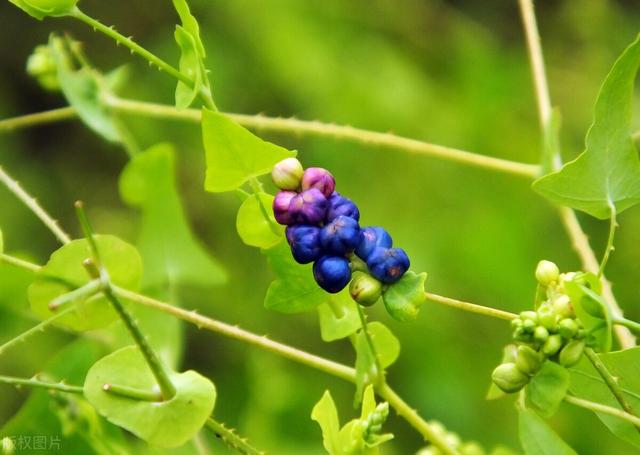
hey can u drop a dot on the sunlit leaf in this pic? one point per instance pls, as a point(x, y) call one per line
point(338, 317)
point(547, 388)
point(537, 437)
point(255, 222)
point(404, 298)
point(387, 348)
point(326, 414)
point(189, 66)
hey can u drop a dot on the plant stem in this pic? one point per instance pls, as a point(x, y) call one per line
point(379, 376)
point(603, 409)
point(39, 118)
point(33, 205)
point(470, 307)
point(132, 392)
point(17, 262)
point(612, 232)
point(33, 330)
point(257, 188)
point(609, 380)
point(83, 292)
point(205, 95)
point(41, 384)
point(632, 325)
point(231, 439)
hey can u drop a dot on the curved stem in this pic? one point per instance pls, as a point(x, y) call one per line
point(603, 409)
point(33, 205)
point(17, 262)
point(470, 307)
point(628, 323)
point(612, 232)
point(372, 348)
point(39, 118)
point(60, 387)
point(231, 439)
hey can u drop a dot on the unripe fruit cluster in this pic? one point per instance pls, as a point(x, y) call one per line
point(552, 332)
point(322, 227)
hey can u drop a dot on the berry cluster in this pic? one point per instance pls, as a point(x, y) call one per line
point(551, 332)
point(322, 227)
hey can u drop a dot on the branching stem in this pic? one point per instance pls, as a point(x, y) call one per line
point(60, 387)
point(613, 224)
point(470, 307)
point(603, 409)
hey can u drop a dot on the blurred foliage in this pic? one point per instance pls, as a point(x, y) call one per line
point(454, 73)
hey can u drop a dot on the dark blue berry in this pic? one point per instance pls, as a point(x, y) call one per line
point(340, 236)
point(388, 264)
point(372, 237)
point(305, 243)
point(339, 205)
point(332, 273)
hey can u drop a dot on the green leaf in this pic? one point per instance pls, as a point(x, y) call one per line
point(255, 222)
point(404, 298)
point(64, 272)
point(509, 354)
point(1, 242)
point(171, 252)
point(338, 317)
point(165, 424)
point(586, 383)
point(294, 290)
point(41, 9)
point(190, 66)
point(326, 414)
point(547, 388)
point(537, 438)
point(584, 293)
point(84, 89)
point(387, 348)
point(608, 171)
point(234, 155)
point(190, 24)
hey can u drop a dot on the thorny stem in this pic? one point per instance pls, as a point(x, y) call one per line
point(603, 409)
point(33, 330)
point(61, 387)
point(379, 376)
point(231, 439)
point(83, 292)
point(470, 307)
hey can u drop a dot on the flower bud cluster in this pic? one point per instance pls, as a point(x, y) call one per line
point(551, 332)
point(372, 424)
point(323, 229)
point(453, 441)
point(42, 66)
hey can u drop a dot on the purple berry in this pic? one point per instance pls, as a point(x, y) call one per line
point(282, 207)
point(340, 236)
point(309, 207)
point(340, 205)
point(332, 273)
point(305, 243)
point(371, 238)
point(317, 177)
point(388, 264)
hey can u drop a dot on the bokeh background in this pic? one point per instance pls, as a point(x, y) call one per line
point(449, 72)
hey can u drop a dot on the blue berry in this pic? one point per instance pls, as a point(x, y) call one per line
point(309, 207)
point(305, 243)
point(340, 205)
point(340, 236)
point(332, 273)
point(388, 264)
point(372, 237)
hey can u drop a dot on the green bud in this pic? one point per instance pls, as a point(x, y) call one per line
point(287, 174)
point(548, 319)
point(452, 439)
point(516, 323)
point(521, 335)
point(528, 326)
point(509, 353)
point(540, 334)
point(552, 345)
point(562, 306)
point(471, 448)
point(365, 289)
point(567, 328)
point(509, 378)
point(547, 273)
point(571, 353)
point(529, 315)
point(438, 428)
point(42, 66)
point(529, 360)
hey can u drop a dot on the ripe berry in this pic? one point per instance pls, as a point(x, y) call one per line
point(339, 205)
point(340, 236)
point(287, 174)
point(371, 238)
point(388, 264)
point(305, 243)
point(319, 178)
point(332, 273)
point(282, 210)
point(309, 207)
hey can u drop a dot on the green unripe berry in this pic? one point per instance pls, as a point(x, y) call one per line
point(552, 345)
point(452, 439)
point(529, 360)
point(52, 7)
point(42, 66)
point(528, 325)
point(562, 306)
point(287, 174)
point(571, 353)
point(540, 334)
point(365, 289)
point(516, 323)
point(548, 318)
point(509, 378)
point(529, 315)
point(567, 328)
point(471, 448)
point(547, 273)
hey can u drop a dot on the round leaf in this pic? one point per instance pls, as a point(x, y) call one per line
point(255, 222)
point(165, 424)
point(404, 298)
point(64, 272)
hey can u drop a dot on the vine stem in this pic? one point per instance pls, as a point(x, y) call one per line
point(33, 330)
point(603, 409)
point(17, 262)
point(631, 325)
point(232, 439)
point(319, 363)
point(609, 380)
point(612, 232)
point(61, 387)
point(153, 59)
point(470, 307)
point(33, 205)
point(372, 348)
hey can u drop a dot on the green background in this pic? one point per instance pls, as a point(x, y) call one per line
point(453, 73)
